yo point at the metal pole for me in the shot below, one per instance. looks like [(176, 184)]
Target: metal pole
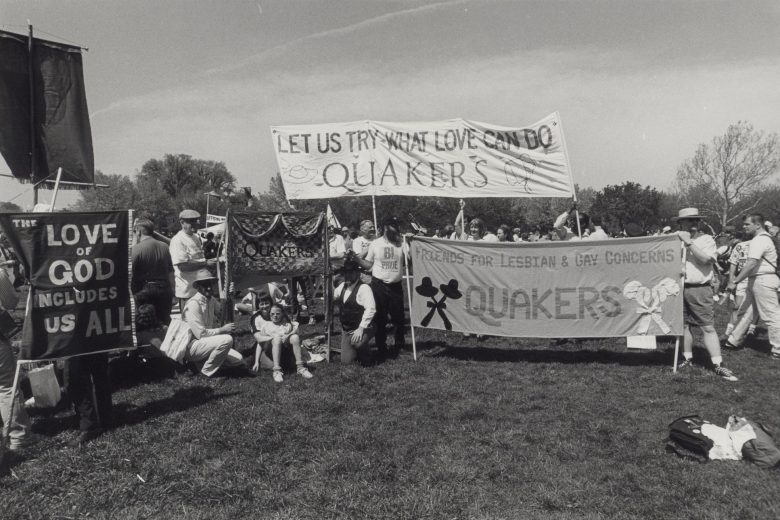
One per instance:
[(33, 162), (676, 353), (326, 283), (376, 224), (208, 199), (56, 188), (409, 293)]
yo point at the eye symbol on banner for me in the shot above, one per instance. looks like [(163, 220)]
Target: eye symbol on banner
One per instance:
[(649, 302), (297, 174), (519, 174), (450, 290)]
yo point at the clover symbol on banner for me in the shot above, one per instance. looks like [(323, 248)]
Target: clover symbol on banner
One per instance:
[(449, 290), (649, 302)]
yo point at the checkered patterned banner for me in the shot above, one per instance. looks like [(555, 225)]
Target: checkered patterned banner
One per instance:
[(266, 245)]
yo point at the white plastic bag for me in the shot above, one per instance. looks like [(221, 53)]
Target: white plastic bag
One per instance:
[(45, 386)]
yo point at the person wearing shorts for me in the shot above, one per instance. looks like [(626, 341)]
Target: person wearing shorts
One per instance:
[(698, 303)]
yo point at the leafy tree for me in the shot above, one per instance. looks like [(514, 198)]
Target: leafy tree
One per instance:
[(628, 202), (727, 177), (10, 207), (120, 194)]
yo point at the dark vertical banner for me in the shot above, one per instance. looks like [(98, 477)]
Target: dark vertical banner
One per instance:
[(63, 136), (15, 105), (61, 114), (79, 270)]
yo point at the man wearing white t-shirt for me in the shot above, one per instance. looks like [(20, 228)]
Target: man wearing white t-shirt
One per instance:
[(361, 243), (698, 304), (187, 256), (385, 258), (763, 284)]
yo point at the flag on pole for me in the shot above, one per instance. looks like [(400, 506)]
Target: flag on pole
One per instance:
[(333, 222)]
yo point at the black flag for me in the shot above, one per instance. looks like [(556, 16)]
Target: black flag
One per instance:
[(63, 136)]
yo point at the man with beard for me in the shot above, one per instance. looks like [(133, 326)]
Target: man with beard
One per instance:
[(385, 260)]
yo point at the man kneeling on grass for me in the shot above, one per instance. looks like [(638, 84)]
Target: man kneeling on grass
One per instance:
[(278, 331), (212, 345), (357, 314)]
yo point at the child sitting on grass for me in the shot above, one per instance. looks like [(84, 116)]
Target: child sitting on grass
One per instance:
[(279, 331)]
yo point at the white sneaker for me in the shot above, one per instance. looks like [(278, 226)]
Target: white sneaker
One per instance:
[(278, 377), (304, 373)]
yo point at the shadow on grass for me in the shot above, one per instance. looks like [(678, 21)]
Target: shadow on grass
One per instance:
[(129, 414), (565, 354), (184, 399)]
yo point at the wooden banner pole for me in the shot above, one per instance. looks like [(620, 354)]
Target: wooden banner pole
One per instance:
[(56, 189)]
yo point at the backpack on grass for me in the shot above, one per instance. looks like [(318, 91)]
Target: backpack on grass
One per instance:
[(686, 439)]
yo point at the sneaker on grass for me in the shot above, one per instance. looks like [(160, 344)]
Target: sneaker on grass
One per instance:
[(304, 373), (687, 363), (19, 444), (725, 373), (278, 377)]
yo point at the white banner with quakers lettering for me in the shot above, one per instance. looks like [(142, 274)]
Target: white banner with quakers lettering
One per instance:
[(454, 158)]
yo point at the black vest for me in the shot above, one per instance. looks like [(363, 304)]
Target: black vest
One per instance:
[(351, 311)]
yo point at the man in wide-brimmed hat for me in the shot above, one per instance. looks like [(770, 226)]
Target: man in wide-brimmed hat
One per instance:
[(357, 314), (698, 302), (212, 344)]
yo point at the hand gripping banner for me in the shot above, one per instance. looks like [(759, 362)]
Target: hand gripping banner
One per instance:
[(578, 289), (78, 265), (454, 158), (263, 246)]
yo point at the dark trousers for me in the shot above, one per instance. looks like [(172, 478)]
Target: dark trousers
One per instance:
[(158, 294), (295, 307), (83, 375), (360, 351), (389, 299)]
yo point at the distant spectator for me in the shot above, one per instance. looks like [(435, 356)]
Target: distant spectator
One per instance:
[(478, 231), (517, 234), (634, 230), (210, 246), (338, 251), (564, 232), (598, 233), (504, 234), (525, 237)]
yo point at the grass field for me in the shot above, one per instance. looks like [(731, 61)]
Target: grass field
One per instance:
[(499, 428)]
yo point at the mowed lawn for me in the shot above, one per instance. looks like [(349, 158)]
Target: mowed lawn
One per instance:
[(490, 429)]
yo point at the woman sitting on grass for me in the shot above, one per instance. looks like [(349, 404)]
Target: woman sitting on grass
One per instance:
[(279, 331)]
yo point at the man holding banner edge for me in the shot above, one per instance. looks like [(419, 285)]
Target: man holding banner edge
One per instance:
[(697, 292)]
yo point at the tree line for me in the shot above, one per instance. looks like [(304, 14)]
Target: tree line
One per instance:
[(725, 179)]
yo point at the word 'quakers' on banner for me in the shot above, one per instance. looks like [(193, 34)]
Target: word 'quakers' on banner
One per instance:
[(607, 288), (265, 246), (79, 267), (454, 158)]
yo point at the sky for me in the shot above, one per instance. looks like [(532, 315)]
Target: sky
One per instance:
[(638, 85)]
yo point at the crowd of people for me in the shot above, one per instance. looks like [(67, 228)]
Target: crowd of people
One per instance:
[(738, 266)]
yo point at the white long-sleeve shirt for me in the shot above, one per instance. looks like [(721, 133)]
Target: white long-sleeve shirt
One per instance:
[(200, 313), (364, 298)]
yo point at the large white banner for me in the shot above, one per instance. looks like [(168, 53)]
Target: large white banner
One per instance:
[(454, 158)]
